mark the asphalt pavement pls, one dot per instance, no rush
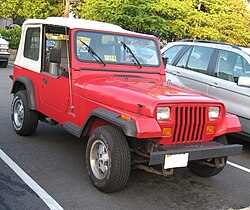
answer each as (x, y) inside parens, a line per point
(55, 161)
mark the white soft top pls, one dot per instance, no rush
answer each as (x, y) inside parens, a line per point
(79, 23)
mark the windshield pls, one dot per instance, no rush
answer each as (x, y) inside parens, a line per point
(116, 49)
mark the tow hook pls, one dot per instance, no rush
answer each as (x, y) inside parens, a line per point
(163, 172)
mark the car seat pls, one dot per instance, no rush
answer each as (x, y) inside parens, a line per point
(224, 70)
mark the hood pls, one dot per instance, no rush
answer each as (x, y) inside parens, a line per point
(3, 41)
(130, 92)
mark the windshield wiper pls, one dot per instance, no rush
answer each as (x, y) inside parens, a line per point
(93, 53)
(132, 55)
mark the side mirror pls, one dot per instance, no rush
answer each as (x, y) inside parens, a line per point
(54, 61)
(165, 61)
(244, 81)
(55, 56)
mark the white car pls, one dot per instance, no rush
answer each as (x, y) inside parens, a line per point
(217, 69)
(247, 50)
(4, 54)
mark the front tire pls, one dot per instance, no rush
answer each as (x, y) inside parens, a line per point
(203, 170)
(24, 120)
(108, 159)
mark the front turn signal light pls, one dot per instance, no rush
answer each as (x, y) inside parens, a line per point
(125, 117)
(166, 131)
(210, 129)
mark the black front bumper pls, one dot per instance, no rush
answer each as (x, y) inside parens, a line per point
(4, 56)
(196, 151)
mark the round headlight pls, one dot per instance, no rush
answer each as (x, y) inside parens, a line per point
(163, 113)
(214, 112)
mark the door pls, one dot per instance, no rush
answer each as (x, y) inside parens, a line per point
(193, 68)
(54, 79)
(229, 66)
(54, 92)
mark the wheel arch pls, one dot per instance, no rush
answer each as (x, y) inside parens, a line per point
(128, 126)
(24, 83)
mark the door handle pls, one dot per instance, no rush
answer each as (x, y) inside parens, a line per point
(45, 81)
(214, 84)
(176, 73)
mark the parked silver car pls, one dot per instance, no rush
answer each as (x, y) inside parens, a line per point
(4, 54)
(217, 69)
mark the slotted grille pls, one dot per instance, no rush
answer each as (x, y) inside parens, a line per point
(190, 122)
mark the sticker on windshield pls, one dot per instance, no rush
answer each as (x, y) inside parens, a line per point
(110, 58)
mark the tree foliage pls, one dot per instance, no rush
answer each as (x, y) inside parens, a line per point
(13, 36)
(20, 10)
(219, 20)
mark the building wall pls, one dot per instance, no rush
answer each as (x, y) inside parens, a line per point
(5, 21)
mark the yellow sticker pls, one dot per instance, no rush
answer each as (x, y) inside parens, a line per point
(110, 58)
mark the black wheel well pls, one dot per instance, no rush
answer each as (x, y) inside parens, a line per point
(100, 117)
(108, 117)
(24, 83)
(94, 122)
(18, 86)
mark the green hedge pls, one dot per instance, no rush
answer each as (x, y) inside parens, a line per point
(13, 36)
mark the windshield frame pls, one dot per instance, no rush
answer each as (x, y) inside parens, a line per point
(135, 36)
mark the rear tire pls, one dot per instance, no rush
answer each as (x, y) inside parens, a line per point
(204, 170)
(108, 159)
(24, 120)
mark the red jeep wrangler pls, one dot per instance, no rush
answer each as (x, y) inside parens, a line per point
(107, 85)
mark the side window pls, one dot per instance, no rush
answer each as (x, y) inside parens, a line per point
(241, 67)
(230, 66)
(199, 59)
(32, 43)
(246, 66)
(182, 63)
(56, 39)
(172, 52)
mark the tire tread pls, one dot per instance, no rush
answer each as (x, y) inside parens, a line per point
(207, 171)
(120, 159)
(30, 116)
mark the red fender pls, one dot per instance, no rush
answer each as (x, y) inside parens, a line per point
(230, 124)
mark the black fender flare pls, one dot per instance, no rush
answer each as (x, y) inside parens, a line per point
(128, 126)
(31, 99)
